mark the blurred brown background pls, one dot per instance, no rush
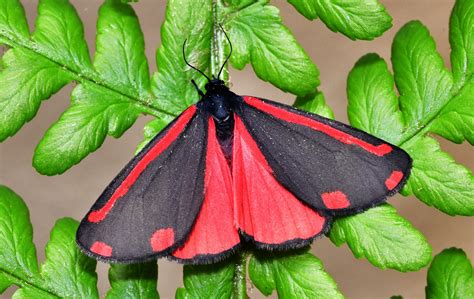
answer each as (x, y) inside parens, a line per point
(73, 193)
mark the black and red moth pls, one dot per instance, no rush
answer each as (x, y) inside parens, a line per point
(238, 168)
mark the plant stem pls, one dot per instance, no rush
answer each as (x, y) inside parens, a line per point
(86, 76)
(240, 277)
(218, 57)
(32, 283)
(218, 50)
(411, 134)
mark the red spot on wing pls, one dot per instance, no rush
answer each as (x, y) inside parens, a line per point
(394, 179)
(214, 231)
(102, 249)
(378, 150)
(265, 210)
(162, 239)
(335, 200)
(155, 151)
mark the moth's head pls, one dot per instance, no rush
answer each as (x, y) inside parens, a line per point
(215, 85)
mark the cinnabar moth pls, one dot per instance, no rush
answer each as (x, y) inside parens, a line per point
(231, 167)
(237, 167)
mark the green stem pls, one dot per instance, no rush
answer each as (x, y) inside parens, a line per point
(218, 49)
(421, 131)
(20, 282)
(86, 76)
(240, 277)
(218, 57)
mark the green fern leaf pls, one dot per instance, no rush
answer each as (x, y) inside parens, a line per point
(259, 37)
(36, 67)
(66, 273)
(208, 281)
(133, 281)
(293, 275)
(427, 95)
(450, 276)
(172, 83)
(356, 19)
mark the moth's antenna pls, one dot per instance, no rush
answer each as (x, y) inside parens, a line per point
(230, 53)
(191, 66)
(197, 88)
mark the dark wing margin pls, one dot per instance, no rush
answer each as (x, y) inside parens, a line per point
(149, 209)
(332, 167)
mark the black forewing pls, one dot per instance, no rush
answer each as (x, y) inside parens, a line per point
(166, 196)
(310, 163)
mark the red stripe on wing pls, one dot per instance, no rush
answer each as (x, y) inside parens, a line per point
(155, 151)
(101, 249)
(214, 231)
(379, 150)
(335, 200)
(265, 210)
(162, 239)
(394, 179)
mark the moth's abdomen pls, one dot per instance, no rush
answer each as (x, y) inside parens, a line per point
(225, 133)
